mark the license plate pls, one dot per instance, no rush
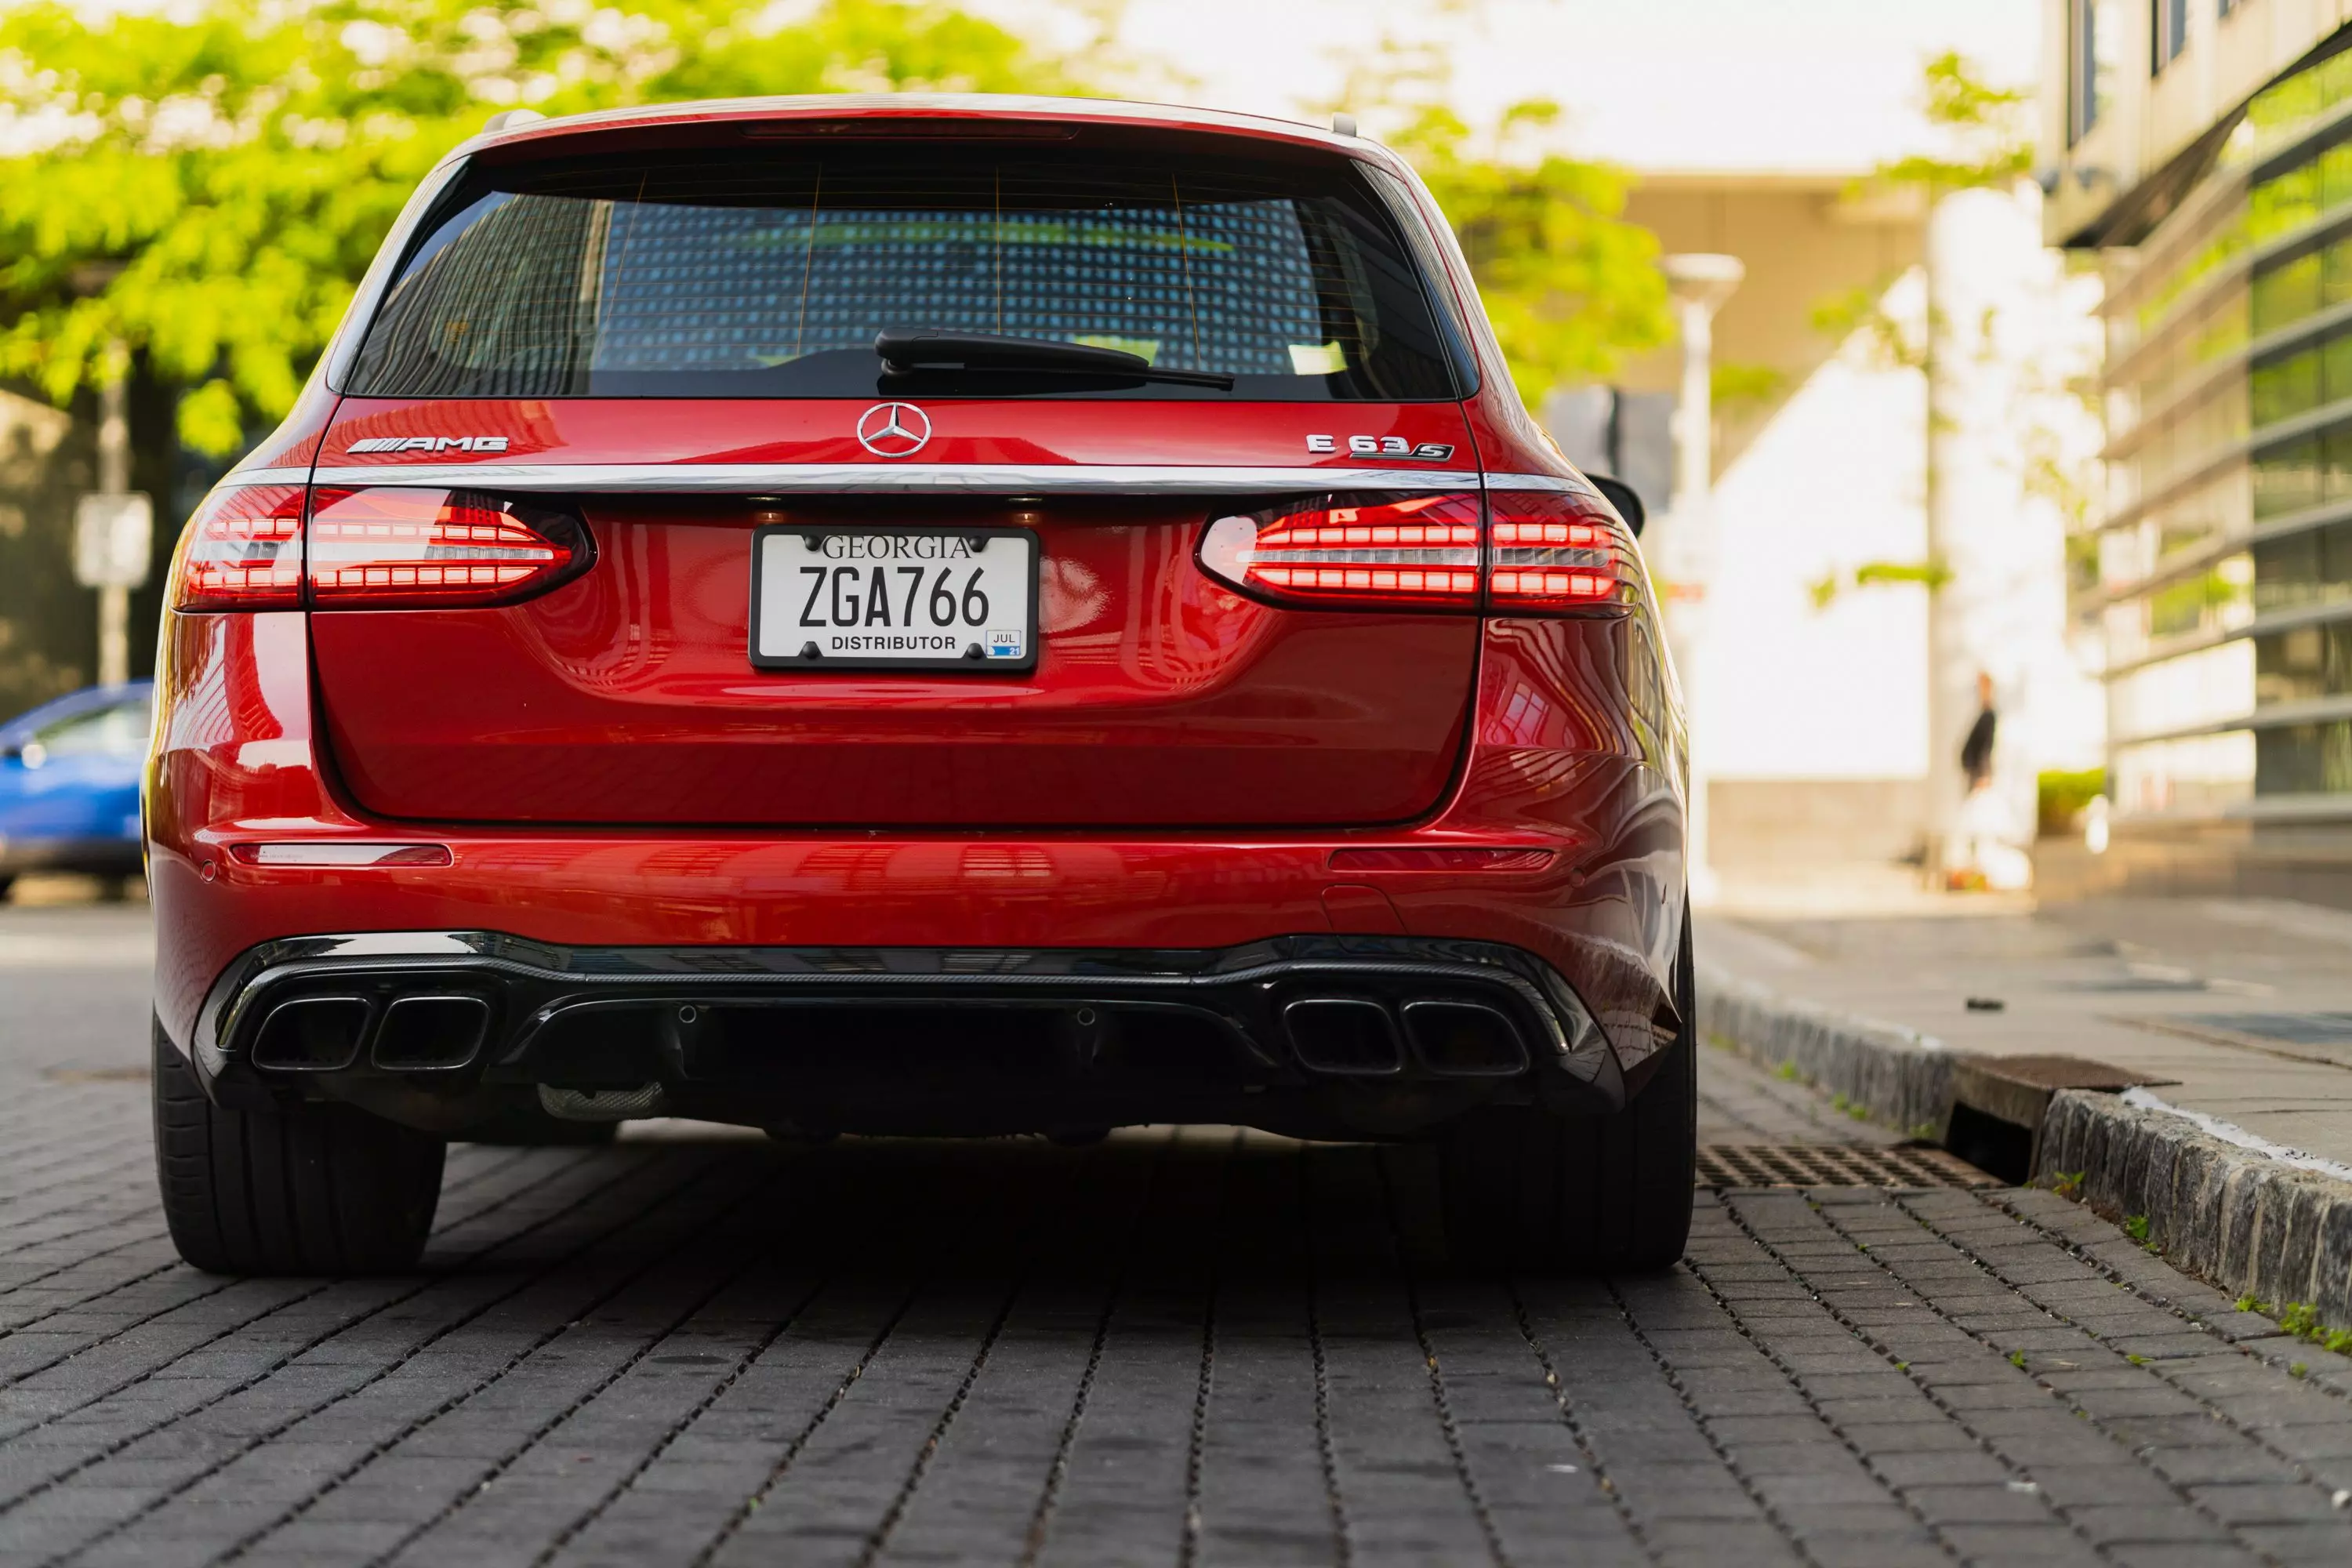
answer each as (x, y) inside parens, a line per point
(898, 598)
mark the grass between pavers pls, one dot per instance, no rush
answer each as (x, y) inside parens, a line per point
(2231, 1215)
(2302, 1320)
(2267, 1230)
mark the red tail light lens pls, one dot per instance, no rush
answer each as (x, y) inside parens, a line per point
(1545, 551)
(1417, 552)
(242, 551)
(1555, 551)
(389, 546)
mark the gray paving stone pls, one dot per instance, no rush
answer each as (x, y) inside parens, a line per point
(2178, 1554)
(2069, 1484)
(1246, 1350)
(1913, 1548)
(2270, 1503)
(2125, 1524)
(1999, 1544)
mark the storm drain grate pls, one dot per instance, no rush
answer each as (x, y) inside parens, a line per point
(1835, 1166)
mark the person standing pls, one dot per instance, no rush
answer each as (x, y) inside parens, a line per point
(1988, 856)
(1976, 751)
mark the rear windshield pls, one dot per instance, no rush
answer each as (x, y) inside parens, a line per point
(766, 272)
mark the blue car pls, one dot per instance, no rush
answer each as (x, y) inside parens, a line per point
(69, 783)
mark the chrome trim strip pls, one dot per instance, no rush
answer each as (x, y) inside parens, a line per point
(978, 478)
(909, 478)
(1560, 482)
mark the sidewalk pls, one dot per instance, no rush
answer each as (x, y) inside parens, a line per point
(2246, 1004)
(2240, 1152)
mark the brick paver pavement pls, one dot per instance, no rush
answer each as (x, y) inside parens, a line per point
(1183, 1346)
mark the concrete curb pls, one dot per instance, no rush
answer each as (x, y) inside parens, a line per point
(1899, 1075)
(2241, 1218)
(2248, 1221)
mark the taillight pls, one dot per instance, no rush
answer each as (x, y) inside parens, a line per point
(245, 549)
(388, 546)
(242, 551)
(1539, 552)
(1557, 551)
(1417, 552)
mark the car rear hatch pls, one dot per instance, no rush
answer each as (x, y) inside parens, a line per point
(624, 518)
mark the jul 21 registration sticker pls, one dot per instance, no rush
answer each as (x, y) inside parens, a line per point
(939, 598)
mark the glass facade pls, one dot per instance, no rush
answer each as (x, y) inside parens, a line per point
(2093, 36)
(2222, 570)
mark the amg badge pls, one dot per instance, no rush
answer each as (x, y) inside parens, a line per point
(428, 444)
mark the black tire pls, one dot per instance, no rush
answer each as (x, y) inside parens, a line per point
(1530, 1189)
(319, 1189)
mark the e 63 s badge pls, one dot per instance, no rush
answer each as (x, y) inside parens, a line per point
(1382, 446)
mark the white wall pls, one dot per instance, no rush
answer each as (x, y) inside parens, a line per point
(1837, 479)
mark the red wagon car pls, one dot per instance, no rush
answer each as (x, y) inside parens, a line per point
(917, 616)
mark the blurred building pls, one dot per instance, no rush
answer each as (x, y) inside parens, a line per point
(1819, 467)
(48, 622)
(49, 625)
(2203, 151)
(1813, 721)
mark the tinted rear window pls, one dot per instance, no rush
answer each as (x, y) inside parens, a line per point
(766, 272)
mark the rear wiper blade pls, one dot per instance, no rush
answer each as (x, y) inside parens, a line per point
(902, 351)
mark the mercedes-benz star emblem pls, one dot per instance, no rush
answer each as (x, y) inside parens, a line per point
(894, 429)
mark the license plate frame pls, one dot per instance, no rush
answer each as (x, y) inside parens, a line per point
(795, 635)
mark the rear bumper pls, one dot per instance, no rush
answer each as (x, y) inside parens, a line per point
(1588, 887)
(449, 1029)
(673, 911)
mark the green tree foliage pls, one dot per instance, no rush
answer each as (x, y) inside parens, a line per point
(1988, 127)
(205, 189)
(1989, 143)
(1569, 284)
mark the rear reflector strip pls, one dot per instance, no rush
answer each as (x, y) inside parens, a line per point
(1449, 859)
(344, 852)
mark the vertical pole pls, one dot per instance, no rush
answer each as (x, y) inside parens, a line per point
(114, 479)
(1700, 284)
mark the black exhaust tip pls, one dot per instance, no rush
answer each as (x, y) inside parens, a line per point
(1465, 1039)
(431, 1034)
(311, 1034)
(1344, 1035)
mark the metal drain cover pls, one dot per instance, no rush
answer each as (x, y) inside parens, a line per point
(1836, 1166)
